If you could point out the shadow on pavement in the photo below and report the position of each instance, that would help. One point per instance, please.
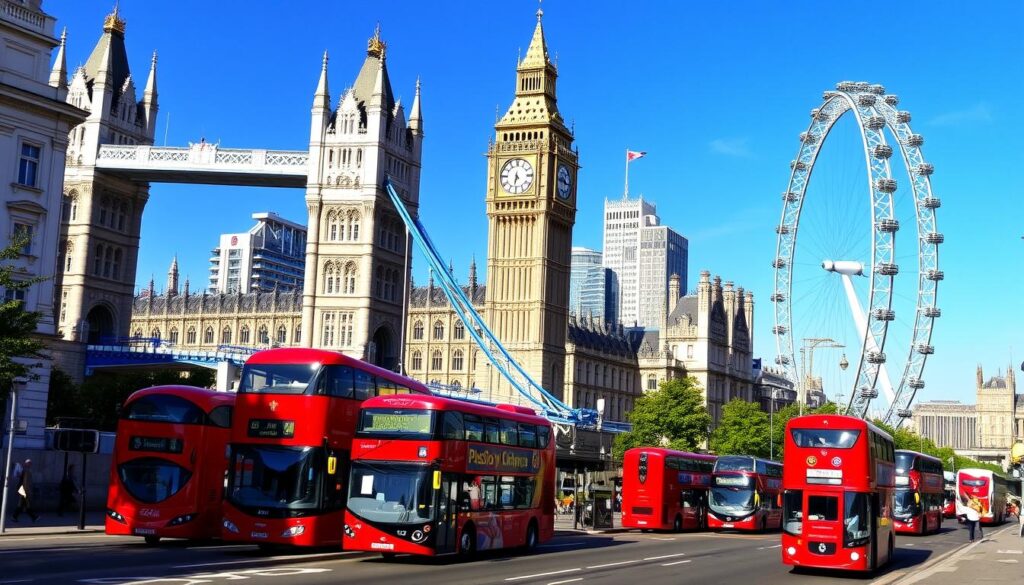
(902, 559)
(588, 541)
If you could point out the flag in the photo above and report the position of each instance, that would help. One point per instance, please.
(632, 155)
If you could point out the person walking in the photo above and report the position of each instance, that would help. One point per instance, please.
(973, 515)
(68, 491)
(24, 487)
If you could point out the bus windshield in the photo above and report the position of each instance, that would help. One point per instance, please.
(274, 477)
(734, 463)
(164, 408)
(276, 378)
(825, 438)
(152, 480)
(732, 500)
(391, 493)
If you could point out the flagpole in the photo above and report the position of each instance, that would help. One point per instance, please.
(625, 194)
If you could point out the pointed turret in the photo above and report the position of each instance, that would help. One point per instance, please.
(59, 74)
(472, 274)
(378, 97)
(322, 97)
(537, 53)
(187, 287)
(172, 277)
(149, 99)
(415, 116)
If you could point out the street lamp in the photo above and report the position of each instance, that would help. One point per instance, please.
(810, 344)
(771, 425)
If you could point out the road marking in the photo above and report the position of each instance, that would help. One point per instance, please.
(657, 538)
(611, 564)
(664, 557)
(297, 559)
(910, 544)
(544, 574)
(769, 547)
(676, 563)
(1010, 552)
(1007, 561)
(566, 581)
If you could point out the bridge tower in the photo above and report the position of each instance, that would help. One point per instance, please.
(356, 243)
(103, 214)
(531, 209)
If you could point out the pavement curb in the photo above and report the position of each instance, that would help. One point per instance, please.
(923, 572)
(42, 531)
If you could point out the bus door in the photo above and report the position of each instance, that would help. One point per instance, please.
(447, 507)
(822, 527)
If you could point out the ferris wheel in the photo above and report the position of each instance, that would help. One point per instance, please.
(865, 284)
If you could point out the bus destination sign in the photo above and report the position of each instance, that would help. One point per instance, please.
(497, 458)
(375, 421)
(261, 428)
(156, 444)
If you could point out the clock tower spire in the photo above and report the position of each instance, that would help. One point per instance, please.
(531, 209)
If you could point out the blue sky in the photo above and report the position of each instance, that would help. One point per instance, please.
(715, 92)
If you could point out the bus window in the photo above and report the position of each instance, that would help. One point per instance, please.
(364, 387)
(506, 493)
(543, 437)
(523, 497)
(509, 433)
(792, 512)
(452, 427)
(491, 434)
(474, 429)
(221, 417)
(164, 408)
(527, 436)
(489, 492)
(336, 381)
(855, 520)
(825, 438)
(823, 508)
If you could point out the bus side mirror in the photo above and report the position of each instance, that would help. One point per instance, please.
(917, 498)
(778, 501)
(757, 499)
(332, 465)
(437, 479)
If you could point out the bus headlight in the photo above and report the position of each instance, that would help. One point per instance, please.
(230, 526)
(293, 531)
(854, 556)
(116, 516)
(791, 550)
(181, 520)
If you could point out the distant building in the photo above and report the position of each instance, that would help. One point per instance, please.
(34, 124)
(643, 255)
(272, 254)
(591, 286)
(772, 389)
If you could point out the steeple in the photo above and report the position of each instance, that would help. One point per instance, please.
(472, 274)
(149, 99)
(980, 377)
(186, 287)
(378, 99)
(415, 117)
(321, 98)
(59, 74)
(537, 53)
(535, 78)
(172, 277)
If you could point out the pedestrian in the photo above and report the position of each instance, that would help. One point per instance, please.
(973, 514)
(68, 491)
(24, 487)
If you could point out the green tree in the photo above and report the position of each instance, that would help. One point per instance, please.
(907, 439)
(742, 430)
(674, 414)
(21, 351)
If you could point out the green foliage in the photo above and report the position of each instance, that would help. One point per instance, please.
(96, 401)
(907, 439)
(788, 412)
(20, 349)
(742, 430)
(674, 412)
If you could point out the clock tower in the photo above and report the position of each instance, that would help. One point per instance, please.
(531, 209)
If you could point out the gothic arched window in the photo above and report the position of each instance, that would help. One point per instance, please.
(282, 335)
(174, 335)
(155, 334)
(225, 336)
(417, 330)
(459, 331)
(438, 330)
(190, 336)
(436, 360)
(652, 382)
(457, 360)
(330, 279)
(208, 335)
(417, 360)
(263, 335)
(243, 335)
(348, 279)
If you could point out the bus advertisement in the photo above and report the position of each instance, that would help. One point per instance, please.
(918, 501)
(167, 474)
(986, 488)
(744, 494)
(664, 489)
(295, 416)
(837, 501)
(433, 476)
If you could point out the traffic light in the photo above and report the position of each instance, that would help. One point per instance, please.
(77, 440)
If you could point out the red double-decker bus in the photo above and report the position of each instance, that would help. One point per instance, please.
(918, 502)
(744, 494)
(167, 474)
(664, 489)
(837, 501)
(988, 488)
(433, 476)
(295, 415)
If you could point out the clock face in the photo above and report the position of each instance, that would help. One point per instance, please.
(517, 176)
(564, 182)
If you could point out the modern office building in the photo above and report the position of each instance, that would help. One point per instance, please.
(591, 286)
(643, 255)
(270, 255)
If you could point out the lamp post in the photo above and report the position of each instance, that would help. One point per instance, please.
(810, 344)
(771, 425)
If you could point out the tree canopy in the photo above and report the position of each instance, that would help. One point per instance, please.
(673, 416)
(742, 430)
(20, 349)
(905, 438)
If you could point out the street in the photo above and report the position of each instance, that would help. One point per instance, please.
(571, 557)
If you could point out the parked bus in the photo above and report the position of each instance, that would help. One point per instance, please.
(432, 476)
(664, 489)
(288, 463)
(744, 494)
(837, 501)
(167, 474)
(919, 494)
(988, 488)
(949, 494)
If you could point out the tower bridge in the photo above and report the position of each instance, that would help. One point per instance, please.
(205, 164)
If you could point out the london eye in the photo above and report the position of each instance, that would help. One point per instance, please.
(842, 281)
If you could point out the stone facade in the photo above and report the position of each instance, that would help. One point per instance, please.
(34, 124)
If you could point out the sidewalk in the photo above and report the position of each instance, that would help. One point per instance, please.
(564, 522)
(998, 558)
(51, 523)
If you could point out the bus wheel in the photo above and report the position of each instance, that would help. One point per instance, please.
(677, 525)
(531, 537)
(152, 540)
(467, 542)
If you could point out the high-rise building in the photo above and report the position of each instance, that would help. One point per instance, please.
(591, 286)
(35, 122)
(643, 255)
(272, 254)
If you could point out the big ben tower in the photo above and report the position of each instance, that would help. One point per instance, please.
(531, 208)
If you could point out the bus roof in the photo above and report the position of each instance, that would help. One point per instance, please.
(430, 402)
(305, 355)
(202, 397)
(671, 452)
(918, 454)
(831, 421)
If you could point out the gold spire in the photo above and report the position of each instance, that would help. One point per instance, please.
(375, 47)
(537, 53)
(113, 21)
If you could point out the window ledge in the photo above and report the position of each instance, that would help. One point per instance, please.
(19, 187)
